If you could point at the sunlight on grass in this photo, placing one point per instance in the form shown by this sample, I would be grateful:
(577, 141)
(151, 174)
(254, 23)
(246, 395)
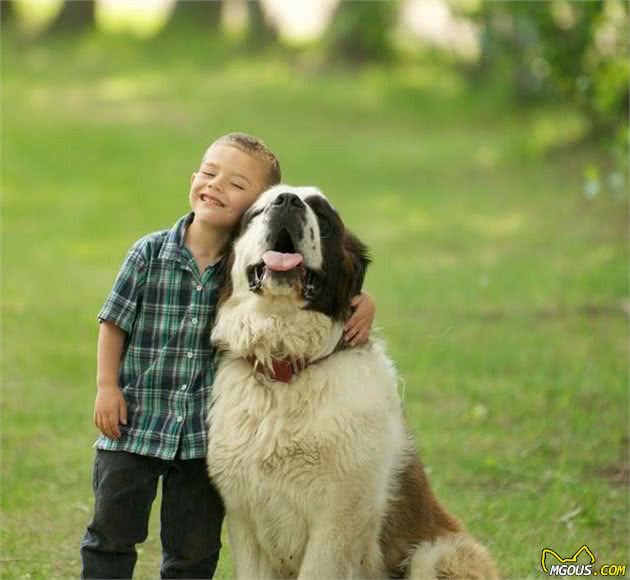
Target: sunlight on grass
(494, 226)
(486, 157)
(553, 129)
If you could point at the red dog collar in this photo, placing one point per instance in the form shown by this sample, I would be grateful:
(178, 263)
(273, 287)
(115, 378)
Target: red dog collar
(282, 369)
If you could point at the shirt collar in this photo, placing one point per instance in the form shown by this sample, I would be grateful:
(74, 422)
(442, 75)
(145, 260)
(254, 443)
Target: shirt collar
(173, 247)
(174, 242)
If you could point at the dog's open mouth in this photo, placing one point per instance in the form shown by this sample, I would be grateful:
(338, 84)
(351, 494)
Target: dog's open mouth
(285, 265)
(283, 256)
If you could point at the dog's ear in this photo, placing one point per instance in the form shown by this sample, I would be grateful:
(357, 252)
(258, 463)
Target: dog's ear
(355, 261)
(359, 257)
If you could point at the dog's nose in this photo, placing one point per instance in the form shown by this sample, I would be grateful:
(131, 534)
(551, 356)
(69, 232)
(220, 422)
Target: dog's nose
(287, 200)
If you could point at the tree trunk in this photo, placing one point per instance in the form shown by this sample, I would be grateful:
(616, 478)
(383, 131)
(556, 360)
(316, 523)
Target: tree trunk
(201, 14)
(260, 32)
(360, 30)
(75, 16)
(6, 13)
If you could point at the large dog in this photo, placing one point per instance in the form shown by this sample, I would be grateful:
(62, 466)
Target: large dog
(307, 440)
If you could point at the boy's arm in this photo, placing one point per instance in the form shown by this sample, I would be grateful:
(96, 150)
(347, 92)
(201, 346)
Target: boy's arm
(110, 407)
(357, 329)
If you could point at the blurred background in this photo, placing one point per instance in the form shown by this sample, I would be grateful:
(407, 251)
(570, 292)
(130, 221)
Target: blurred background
(479, 148)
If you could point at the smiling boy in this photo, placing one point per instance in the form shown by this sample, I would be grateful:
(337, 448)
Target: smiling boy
(155, 370)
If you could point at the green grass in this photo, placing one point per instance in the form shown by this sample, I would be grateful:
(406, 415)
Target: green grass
(497, 283)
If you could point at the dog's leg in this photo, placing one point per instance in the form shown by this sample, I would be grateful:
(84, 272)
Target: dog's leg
(343, 540)
(329, 554)
(249, 560)
(371, 558)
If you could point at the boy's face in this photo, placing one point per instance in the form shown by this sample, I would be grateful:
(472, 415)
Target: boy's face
(227, 183)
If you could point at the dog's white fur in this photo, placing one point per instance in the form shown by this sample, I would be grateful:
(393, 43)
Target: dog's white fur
(306, 469)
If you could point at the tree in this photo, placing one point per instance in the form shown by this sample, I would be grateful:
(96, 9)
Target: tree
(260, 32)
(74, 16)
(360, 30)
(6, 13)
(552, 48)
(201, 14)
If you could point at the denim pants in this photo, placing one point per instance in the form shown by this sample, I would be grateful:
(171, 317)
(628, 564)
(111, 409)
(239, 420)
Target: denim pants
(125, 485)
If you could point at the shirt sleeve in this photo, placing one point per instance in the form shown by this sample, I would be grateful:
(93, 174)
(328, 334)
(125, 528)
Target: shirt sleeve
(123, 300)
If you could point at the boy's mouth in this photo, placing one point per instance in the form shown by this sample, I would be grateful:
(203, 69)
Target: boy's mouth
(211, 200)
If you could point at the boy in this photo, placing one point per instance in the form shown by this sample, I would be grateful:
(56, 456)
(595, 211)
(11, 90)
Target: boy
(155, 370)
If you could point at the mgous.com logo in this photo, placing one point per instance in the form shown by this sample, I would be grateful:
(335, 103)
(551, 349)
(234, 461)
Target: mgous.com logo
(555, 565)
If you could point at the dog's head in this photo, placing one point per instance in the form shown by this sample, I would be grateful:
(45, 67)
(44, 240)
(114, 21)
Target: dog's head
(292, 248)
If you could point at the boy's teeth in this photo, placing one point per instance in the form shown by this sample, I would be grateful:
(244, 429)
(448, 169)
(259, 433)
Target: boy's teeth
(205, 198)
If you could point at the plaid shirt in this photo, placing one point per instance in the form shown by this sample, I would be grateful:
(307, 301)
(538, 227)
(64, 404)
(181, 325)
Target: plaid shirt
(166, 307)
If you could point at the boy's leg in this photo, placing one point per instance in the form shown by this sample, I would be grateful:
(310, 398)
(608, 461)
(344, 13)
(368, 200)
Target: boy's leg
(125, 485)
(192, 514)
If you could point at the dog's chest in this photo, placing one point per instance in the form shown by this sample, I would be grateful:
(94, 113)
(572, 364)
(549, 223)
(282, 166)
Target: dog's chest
(278, 452)
(260, 436)
(272, 455)
(289, 437)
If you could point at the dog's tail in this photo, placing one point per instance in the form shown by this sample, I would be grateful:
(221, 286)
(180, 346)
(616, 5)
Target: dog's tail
(454, 556)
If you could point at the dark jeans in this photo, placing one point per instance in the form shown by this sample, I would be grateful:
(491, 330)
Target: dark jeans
(125, 485)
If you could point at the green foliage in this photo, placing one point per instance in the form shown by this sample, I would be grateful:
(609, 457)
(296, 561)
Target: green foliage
(574, 50)
(608, 176)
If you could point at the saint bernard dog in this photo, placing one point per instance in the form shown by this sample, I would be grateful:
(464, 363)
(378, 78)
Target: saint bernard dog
(308, 443)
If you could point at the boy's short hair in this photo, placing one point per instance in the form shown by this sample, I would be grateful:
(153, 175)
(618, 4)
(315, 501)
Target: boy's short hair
(256, 148)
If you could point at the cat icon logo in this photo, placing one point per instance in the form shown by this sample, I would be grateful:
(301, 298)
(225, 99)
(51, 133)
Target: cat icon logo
(568, 566)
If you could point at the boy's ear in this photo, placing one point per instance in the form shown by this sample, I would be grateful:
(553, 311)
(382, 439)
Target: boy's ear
(192, 177)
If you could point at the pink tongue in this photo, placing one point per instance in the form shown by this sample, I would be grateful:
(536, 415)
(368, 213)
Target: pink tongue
(281, 262)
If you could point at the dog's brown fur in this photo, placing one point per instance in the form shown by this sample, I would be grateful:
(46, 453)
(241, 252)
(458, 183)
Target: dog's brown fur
(414, 516)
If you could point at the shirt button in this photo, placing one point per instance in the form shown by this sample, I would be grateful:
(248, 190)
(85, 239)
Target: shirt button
(199, 287)
(189, 354)
(180, 419)
(194, 320)
(184, 387)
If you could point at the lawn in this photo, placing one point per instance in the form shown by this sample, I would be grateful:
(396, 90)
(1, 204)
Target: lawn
(500, 288)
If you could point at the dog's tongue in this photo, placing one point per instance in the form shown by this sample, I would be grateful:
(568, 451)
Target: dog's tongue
(281, 262)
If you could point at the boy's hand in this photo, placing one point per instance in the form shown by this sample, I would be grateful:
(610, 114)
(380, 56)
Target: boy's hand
(110, 409)
(357, 329)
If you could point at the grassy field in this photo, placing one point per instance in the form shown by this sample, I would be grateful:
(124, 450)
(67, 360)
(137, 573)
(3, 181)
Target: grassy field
(498, 285)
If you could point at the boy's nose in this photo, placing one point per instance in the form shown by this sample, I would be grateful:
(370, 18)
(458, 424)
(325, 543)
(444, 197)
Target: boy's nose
(214, 183)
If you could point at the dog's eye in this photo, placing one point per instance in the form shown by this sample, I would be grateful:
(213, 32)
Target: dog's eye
(325, 227)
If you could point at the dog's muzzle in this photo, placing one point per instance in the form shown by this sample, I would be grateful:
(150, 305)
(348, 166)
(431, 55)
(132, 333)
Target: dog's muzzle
(283, 262)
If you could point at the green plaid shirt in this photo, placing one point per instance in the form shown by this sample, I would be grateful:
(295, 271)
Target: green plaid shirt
(166, 307)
